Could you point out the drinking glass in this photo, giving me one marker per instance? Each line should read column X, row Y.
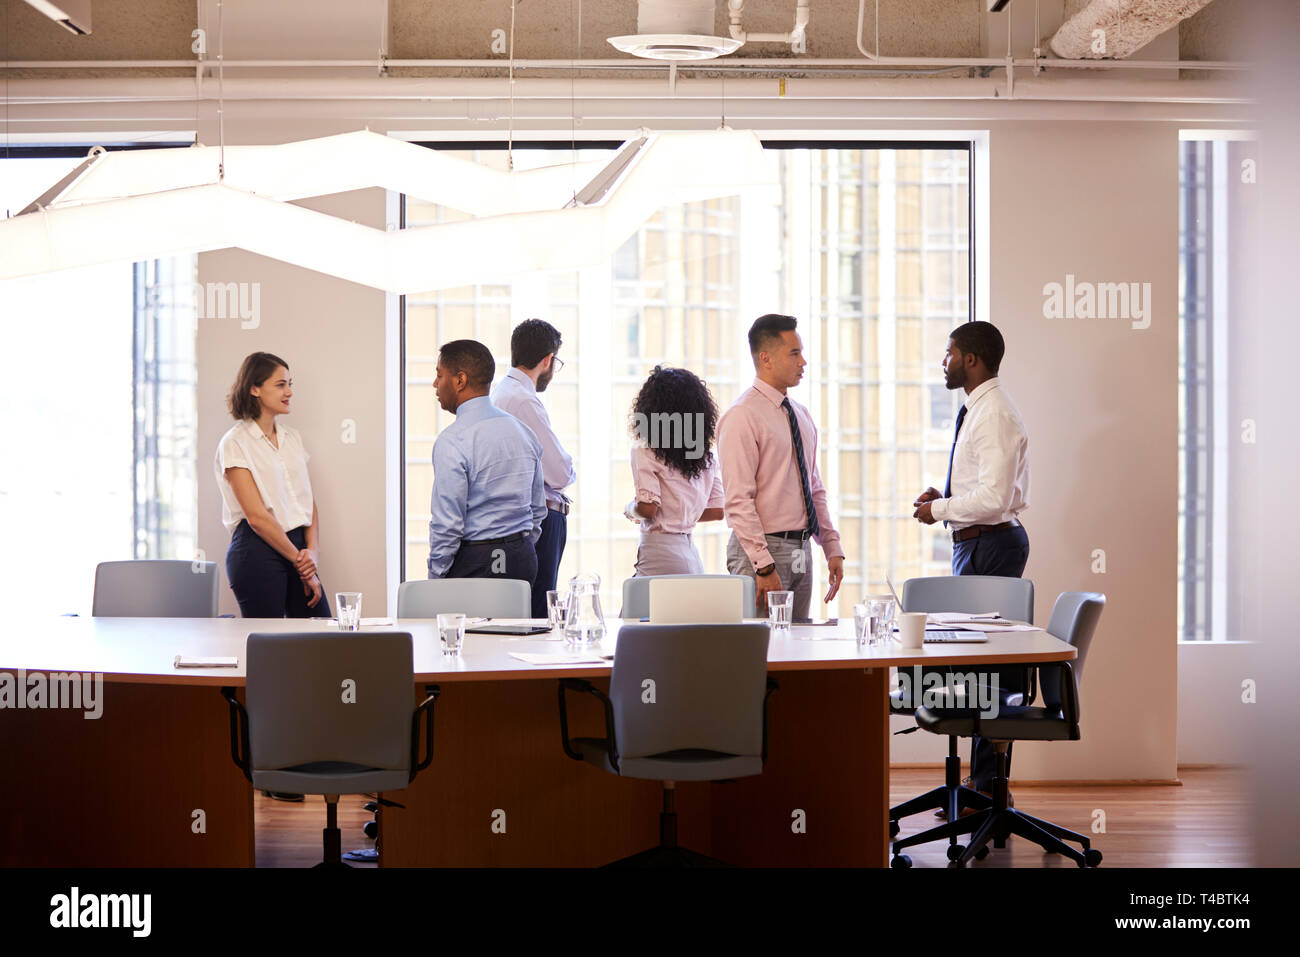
column 557, row 605
column 348, row 604
column 780, row 604
column 452, row 629
column 880, row 609
column 862, row 624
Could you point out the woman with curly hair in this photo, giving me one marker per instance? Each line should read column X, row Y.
column 677, row 477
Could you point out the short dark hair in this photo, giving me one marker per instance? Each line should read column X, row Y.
column 470, row 357
column 532, row 341
column 981, row 339
column 767, row 328
column 256, row 368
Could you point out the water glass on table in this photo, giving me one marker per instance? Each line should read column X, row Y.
column 880, row 609
column 348, row 605
column 862, row 624
column 780, row 606
column 557, row 606
column 451, row 627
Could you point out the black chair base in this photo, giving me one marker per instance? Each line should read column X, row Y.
column 952, row 796
column 667, row 854
column 996, row 824
column 332, row 837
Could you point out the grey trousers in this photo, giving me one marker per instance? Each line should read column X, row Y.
column 667, row 553
column 783, row 552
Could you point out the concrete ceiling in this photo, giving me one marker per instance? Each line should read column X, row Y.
column 544, row 29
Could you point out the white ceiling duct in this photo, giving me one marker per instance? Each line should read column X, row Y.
column 675, row 30
column 1115, row 29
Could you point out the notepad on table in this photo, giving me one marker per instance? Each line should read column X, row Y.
column 540, row 658
column 193, row 661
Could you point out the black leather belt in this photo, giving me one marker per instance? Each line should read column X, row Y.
column 498, row 541
column 974, row 531
column 802, row 534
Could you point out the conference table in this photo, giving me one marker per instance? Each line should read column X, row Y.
column 150, row 780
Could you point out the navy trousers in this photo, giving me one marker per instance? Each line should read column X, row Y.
column 1002, row 553
column 549, row 548
column 514, row 559
column 265, row 583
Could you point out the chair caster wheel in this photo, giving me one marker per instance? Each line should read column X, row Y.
column 370, row 829
column 1091, row 857
column 901, row 861
column 955, row 851
column 893, row 829
column 982, row 853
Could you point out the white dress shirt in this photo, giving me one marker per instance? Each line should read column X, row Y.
column 516, row 394
column 990, row 463
column 279, row 473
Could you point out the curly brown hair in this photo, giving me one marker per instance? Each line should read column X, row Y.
column 679, row 392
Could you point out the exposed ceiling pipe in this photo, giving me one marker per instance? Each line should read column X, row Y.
column 796, row 37
column 1114, row 29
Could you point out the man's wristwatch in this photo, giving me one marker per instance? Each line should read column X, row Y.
column 765, row 570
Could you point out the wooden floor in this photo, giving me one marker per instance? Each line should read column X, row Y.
column 1200, row 824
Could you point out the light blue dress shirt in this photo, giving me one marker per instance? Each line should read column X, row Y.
column 516, row 394
column 487, row 482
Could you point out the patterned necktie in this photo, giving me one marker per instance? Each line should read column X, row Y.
column 947, row 485
column 804, row 488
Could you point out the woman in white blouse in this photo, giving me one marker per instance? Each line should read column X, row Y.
column 267, row 503
column 677, row 477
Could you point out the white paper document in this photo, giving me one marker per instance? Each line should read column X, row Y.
column 190, row 661
column 536, row 658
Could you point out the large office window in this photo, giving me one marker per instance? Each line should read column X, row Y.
column 867, row 247
column 100, row 400
column 1215, row 180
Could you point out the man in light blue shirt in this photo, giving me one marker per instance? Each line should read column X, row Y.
column 488, row 498
column 533, row 347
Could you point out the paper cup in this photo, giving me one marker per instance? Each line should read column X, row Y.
column 911, row 629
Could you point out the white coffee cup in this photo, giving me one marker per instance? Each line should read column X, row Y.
column 911, row 629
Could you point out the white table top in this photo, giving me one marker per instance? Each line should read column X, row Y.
column 143, row 649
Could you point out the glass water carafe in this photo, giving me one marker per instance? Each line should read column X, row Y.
column 583, row 623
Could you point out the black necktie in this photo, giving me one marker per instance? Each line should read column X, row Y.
column 948, row 483
column 804, row 488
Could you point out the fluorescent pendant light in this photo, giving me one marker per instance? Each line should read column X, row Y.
column 83, row 227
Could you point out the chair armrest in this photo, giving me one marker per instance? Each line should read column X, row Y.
column 771, row 687
column 418, row 764
column 577, row 684
column 1070, row 699
column 238, row 732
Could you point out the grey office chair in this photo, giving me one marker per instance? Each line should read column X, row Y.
column 1074, row 620
column 156, row 588
column 330, row 713
column 1012, row 598
column 636, row 594
column 476, row 597
column 707, row 720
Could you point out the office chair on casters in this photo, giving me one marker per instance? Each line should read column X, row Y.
column 707, row 720
column 1074, row 620
column 1013, row 599
column 330, row 714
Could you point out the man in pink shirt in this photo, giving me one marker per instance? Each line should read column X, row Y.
column 775, row 500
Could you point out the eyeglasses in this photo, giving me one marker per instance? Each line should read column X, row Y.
column 556, row 362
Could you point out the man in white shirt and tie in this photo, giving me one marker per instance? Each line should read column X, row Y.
column 987, row 486
column 533, row 347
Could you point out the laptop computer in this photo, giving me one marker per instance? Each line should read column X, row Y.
column 696, row 601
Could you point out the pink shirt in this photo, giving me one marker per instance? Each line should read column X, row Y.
column 761, row 476
column 680, row 500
